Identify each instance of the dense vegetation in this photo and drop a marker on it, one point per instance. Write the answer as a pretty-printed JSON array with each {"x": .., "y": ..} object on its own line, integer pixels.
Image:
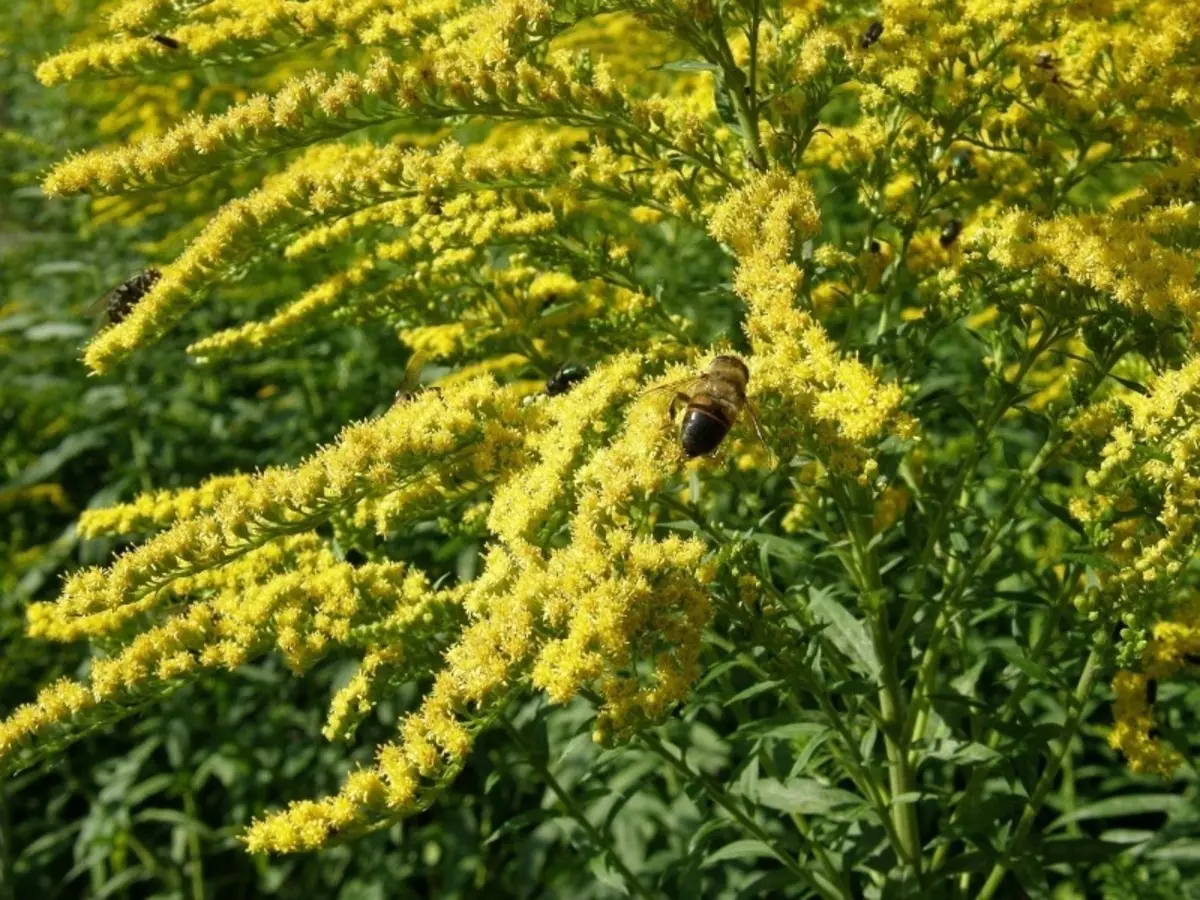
[{"x": 322, "y": 576}]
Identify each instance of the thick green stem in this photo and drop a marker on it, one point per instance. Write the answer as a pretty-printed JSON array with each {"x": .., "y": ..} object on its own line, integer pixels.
[
  {"x": 1045, "y": 784},
  {"x": 901, "y": 781}
]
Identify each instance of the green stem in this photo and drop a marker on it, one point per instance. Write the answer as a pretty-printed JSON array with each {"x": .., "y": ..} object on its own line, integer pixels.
[
  {"x": 991, "y": 737},
  {"x": 914, "y": 728},
  {"x": 891, "y": 694},
  {"x": 194, "y": 847},
  {"x": 739, "y": 92},
  {"x": 599, "y": 841},
  {"x": 1045, "y": 784},
  {"x": 717, "y": 794},
  {"x": 6, "y": 868}
]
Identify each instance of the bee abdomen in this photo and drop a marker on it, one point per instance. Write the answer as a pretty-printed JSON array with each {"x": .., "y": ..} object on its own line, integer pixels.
[{"x": 702, "y": 431}]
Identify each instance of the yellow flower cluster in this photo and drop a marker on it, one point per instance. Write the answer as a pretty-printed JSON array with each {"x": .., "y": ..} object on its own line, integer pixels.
[
  {"x": 328, "y": 184},
  {"x": 1174, "y": 647},
  {"x": 1146, "y": 449},
  {"x": 582, "y": 615},
  {"x": 842, "y": 404},
  {"x": 472, "y": 425},
  {"x": 159, "y": 509},
  {"x": 292, "y": 594},
  {"x": 1110, "y": 254}
]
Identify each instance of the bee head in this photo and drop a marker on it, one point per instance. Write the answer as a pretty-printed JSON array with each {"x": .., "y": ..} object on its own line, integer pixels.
[{"x": 730, "y": 367}]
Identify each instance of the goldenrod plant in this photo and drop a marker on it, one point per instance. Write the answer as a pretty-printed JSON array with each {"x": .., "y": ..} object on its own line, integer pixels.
[{"x": 882, "y": 471}]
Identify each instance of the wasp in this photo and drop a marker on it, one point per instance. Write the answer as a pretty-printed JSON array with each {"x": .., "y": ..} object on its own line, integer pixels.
[
  {"x": 950, "y": 232},
  {"x": 567, "y": 376},
  {"x": 120, "y": 301},
  {"x": 872, "y": 35},
  {"x": 169, "y": 42},
  {"x": 712, "y": 401}
]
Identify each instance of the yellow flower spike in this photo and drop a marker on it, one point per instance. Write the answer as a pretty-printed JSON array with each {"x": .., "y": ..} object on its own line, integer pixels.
[
  {"x": 369, "y": 459},
  {"x": 160, "y": 509}
]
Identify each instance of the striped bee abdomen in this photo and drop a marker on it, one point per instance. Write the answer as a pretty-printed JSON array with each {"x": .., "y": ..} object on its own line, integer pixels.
[{"x": 703, "y": 429}]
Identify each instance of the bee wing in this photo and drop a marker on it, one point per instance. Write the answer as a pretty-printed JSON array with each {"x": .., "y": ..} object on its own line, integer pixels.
[
  {"x": 412, "y": 372},
  {"x": 752, "y": 411},
  {"x": 671, "y": 385},
  {"x": 99, "y": 303}
]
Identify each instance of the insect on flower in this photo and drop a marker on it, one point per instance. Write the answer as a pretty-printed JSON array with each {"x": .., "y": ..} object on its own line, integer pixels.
[
  {"x": 950, "y": 232},
  {"x": 962, "y": 164},
  {"x": 872, "y": 35},
  {"x": 1047, "y": 63},
  {"x": 169, "y": 42},
  {"x": 410, "y": 383},
  {"x": 712, "y": 402},
  {"x": 568, "y": 375},
  {"x": 120, "y": 301},
  {"x": 1151, "y": 692}
]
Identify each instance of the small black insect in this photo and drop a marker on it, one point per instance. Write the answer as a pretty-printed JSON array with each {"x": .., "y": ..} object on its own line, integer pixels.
[
  {"x": 872, "y": 35},
  {"x": 950, "y": 233},
  {"x": 1044, "y": 60},
  {"x": 120, "y": 301},
  {"x": 874, "y": 247},
  {"x": 568, "y": 375},
  {"x": 169, "y": 42},
  {"x": 1151, "y": 691},
  {"x": 962, "y": 164}
]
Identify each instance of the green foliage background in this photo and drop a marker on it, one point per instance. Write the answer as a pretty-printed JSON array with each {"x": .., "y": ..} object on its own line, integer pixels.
[{"x": 152, "y": 810}]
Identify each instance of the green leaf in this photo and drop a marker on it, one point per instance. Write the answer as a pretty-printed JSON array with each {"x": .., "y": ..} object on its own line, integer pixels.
[
  {"x": 51, "y": 461},
  {"x": 744, "y": 849},
  {"x": 1126, "y": 805},
  {"x": 847, "y": 633},
  {"x": 724, "y": 103},
  {"x": 1063, "y": 515},
  {"x": 805, "y": 796},
  {"x": 963, "y": 752},
  {"x": 753, "y": 691},
  {"x": 687, "y": 65},
  {"x": 174, "y": 817}
]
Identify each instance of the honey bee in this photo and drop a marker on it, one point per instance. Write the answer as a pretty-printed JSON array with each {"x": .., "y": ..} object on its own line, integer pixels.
[
  {"x": 169, "y": 42},
  {"x": 120, "y": 301},
  {"x": 950, "y": 232},
  {"x": 712, "y": 401},
  {"x": 872, "y": 35},
  {"x": 568, "y": 375}
]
